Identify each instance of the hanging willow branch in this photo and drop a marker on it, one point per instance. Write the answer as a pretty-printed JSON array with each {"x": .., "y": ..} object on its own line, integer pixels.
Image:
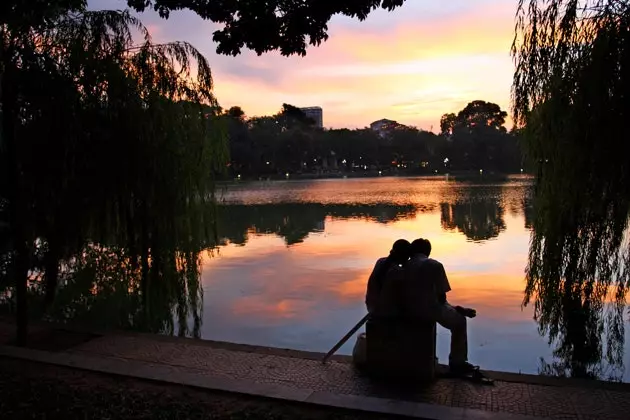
[
  {"x": 118, "y": 145},
  {"x": 570, "y": 92}
]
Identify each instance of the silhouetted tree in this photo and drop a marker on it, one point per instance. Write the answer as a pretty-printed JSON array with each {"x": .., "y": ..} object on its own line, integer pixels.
[
  {"x": 447, "y": 124},
  {"x": 268, "y": 25},
  {"x": 481, "y": 114},
  {"x": 80, "y": 93},
  {"x": 571, "y": 96}
]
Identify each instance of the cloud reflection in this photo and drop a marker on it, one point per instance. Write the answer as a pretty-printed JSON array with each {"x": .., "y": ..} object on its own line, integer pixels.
[{"x": 306, "y": 294}]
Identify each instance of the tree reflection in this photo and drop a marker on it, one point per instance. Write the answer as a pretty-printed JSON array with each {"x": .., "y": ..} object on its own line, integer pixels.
[
  {"x": 107, "y": 285},
  {"x": 102, "y": 287},
  {"x": 577, "y": 332},
  {"x": 479, "y": 217},
  {"x": 294, "y": 222}
]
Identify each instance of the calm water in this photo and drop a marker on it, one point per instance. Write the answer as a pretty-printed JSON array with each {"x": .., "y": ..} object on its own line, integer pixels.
[{"x": 297, "y": 255}]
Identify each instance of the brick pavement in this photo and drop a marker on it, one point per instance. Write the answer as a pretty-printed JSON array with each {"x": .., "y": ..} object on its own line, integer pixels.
[{"x": 558, "y": 402}]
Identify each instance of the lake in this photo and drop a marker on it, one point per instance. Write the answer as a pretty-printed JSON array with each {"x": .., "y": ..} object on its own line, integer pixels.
[{"x": 296, "y": 256}]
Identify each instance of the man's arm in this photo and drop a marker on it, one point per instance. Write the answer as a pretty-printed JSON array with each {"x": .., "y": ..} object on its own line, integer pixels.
[
  {"x": 442, "y": 285},
  {"x": 445, "y": 287}
]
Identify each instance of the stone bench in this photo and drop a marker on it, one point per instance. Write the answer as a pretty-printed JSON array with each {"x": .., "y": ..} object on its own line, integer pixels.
[{"x": 401, "y": 351}]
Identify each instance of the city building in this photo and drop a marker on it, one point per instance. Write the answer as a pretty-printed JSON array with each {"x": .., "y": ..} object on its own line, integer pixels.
[
  {"x": 316, "y": 113},
  {"x": 384, "y": 126}
]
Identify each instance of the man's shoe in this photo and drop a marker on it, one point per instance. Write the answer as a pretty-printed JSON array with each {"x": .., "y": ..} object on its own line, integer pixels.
[
  {"x": 470, "y": 372},
  {"x": 462, "y": 368}
]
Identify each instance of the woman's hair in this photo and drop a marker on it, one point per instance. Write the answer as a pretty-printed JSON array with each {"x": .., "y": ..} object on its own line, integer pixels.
[
  {"x": 399, "y": 254},
  {"x": 401, "y": 251}
]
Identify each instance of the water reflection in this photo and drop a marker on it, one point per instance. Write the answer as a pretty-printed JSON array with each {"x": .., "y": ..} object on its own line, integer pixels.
[
  {"x": 293, "y": 260},
  {"x": 477, "y": 219},
  {"x": 285, "y": 209},
  {"x": 103, "y": 287},
  {"x": 294, "y": 222}
]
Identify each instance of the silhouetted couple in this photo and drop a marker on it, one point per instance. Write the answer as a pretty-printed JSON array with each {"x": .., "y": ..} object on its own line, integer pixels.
[{"x": 409, "y": 286}]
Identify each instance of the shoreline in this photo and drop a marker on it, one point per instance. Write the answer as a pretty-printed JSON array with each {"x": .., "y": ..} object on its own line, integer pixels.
[
  {"x": 119, "y": 373},
  {"x": 87, "y": 333},
  {"x": 452, "y": 176}
]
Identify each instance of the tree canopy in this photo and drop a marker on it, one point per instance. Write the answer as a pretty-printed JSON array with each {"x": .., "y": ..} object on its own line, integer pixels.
[
  {"x": 262, "y": 26},
  {"x": 289, "y": 142}
]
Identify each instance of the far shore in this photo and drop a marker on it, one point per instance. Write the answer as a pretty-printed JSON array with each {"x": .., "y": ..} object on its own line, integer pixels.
[{"x": 452, "y": 176}]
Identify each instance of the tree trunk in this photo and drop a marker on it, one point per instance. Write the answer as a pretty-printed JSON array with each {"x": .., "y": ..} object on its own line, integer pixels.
[
  {"x": 51, "y": 269},
  {"x": 144, "y": 252},
  {"x": 21, "y": 280},
  {"x": 8, "y": 99}
]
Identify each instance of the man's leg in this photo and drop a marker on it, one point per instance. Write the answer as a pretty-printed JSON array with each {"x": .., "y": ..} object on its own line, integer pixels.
[{"x": 449, "y": 318}]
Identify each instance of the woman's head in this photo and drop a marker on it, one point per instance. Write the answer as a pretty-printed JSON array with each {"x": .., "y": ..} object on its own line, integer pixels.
[{"x": 400, "y": 250}]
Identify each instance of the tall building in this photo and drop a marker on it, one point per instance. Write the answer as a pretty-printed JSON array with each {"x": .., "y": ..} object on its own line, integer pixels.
[{"x": 316, "y": 113}]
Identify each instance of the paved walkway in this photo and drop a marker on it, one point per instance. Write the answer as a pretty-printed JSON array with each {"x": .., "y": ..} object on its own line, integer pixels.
[{"x": 558, "y": 400}]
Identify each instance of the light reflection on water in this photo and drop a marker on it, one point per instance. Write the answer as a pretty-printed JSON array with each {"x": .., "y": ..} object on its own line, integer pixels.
[{"x": 297, "y": 255}]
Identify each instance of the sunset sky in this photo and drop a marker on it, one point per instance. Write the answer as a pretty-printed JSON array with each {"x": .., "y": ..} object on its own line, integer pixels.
[{"x": 412, "y": 65}]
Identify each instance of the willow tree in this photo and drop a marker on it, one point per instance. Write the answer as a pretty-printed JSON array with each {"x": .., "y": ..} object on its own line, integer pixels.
[
  {"x": 570, "y": 92},
  {"x": 111, "y": 143}
]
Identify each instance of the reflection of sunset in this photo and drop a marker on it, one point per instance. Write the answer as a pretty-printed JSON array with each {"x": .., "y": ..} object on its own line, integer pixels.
[
  {"x": 260, "y": 307},
  {"x": 294, "y": 269},
  {"x": 335, "y": 266},
  {"x": 352, "y": 290},
  {"x": 309, "y": 295}
]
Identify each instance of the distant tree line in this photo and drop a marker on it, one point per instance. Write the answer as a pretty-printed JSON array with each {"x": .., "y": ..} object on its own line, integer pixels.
[{"x": 288, "y": 142}]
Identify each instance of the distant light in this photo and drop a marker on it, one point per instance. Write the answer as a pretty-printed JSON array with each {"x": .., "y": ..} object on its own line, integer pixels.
[
  {"x": 267, "y": 162},
  {"x": 436, "y": 171},
  {"x": 287, "y": 174},
  {"x": 481, "y": 171},
  {"x": 343, "y": 161},
  {"x": 360, "y": 157},
  {"x": 398, "y": 165},
  {"x": 314, "y": 160},
  {"x": 446, "y": 161},
  {"x": 521, "y": 170},
  {"x": 238, "y": 176},
  {"x": 380, "y": 172},
  {"x": 364, "y": 166}
]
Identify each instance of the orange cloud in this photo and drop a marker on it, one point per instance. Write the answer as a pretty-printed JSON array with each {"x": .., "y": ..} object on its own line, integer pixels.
[{"x": 412, "y": 73}]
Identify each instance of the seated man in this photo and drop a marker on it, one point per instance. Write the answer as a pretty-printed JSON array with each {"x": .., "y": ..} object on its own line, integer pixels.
[{"x": 426, "y": 288}]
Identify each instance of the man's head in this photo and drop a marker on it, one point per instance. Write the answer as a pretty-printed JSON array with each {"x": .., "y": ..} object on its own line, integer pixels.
[{"x": 421, "y": 246}]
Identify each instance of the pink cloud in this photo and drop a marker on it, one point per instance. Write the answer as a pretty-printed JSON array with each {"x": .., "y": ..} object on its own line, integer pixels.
[
  {"x": 412, "y": 73},
  {"x": 412, "y": 65}
]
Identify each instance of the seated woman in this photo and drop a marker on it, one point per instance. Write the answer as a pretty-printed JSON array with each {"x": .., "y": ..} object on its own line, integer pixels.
[{"x": 382, "y": 298}]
